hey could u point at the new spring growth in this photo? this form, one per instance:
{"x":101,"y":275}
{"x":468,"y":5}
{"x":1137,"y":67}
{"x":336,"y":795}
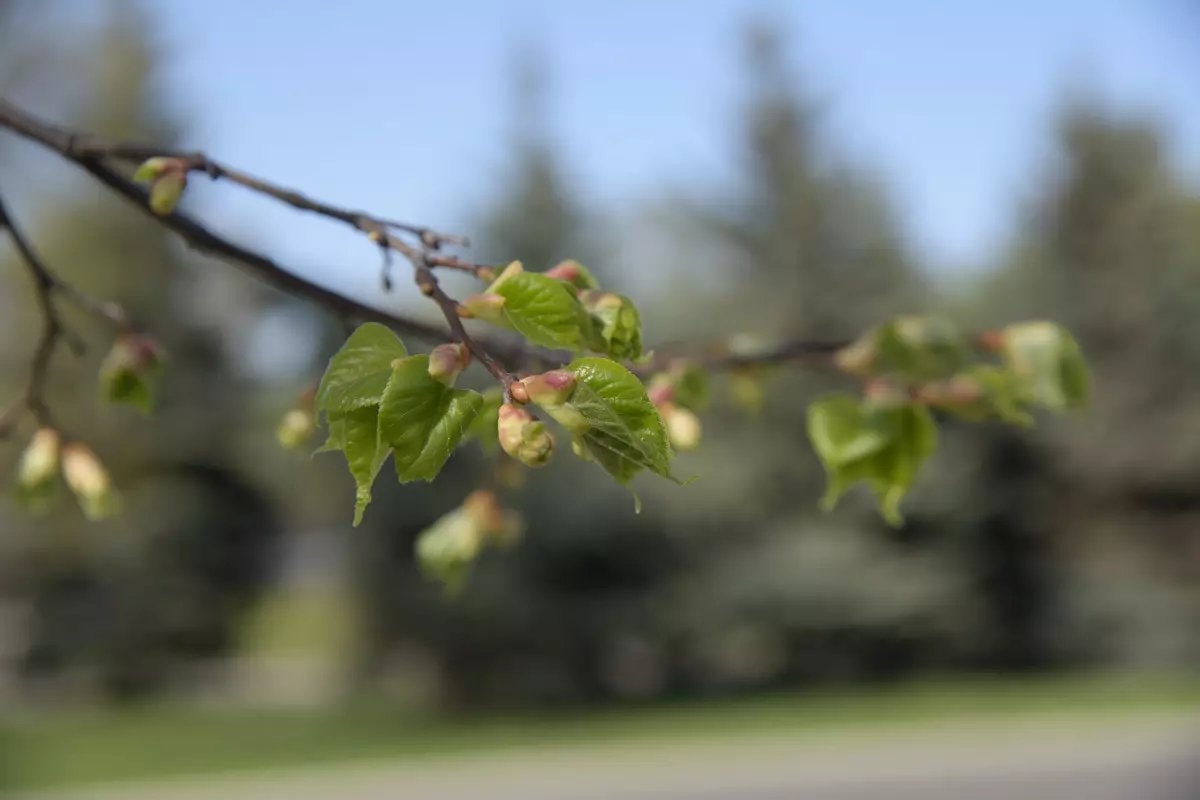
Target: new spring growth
{"x":446,"y":361}
{"x":486,"y":307}
{"x":573,"y":273}
{"x":683,"y":426}
{"x":167,"y":178}
{"x":127,"y":373}
{"x":296,"y":428}
{"x":491,"y":520}
{"x":37,"y":472}
{"x":523,"y":436}
{"x":550,"y":389}
{"x":89,"y":481}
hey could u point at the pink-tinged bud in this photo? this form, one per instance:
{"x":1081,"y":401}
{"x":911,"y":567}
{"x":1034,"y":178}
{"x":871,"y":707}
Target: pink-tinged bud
{"x":573,"y":273}
{"x":550,"y":388}
{"x":446,"y":361}
{"x":40,"y":461}
{"x":683,"y":427}
{"x":487,"y":307}
{"x":660,"y":393}
{"x":89,"y":481}
{"x":859,"y":358}
{"x":523,"y":436}
{"x":296,"y":428}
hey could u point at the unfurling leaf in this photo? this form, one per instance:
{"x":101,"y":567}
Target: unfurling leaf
{"x":446,"y":550}
{"x":37,"y":473}
{"x":550,"y":388}
{"x":979,"y":393}
{"x":1048,"y":365}
{"x":423,"y":420}
{"x":89,"y":481}
{"x":617,"y":324}
{"x":129,"y":370}
{"x":883,"y":445}
{"x":612,"y":421}
{"x":358,"y":373}
{"x":296,"y":428}
{"x":523,"y":436}
{"x":446,"y":361}
{"x":544,"y":310}
{"x":575,"y":274}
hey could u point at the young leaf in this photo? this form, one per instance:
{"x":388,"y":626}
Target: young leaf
{"x":358,"y":373}
{"x":616,"y":322}
{"x":128,"y":370}
{"x":356,"y":434}
{"x":544,"y":310}
{"x":575,"y":274}
{"x":997,"y":396}
{"x":883,"y":446}
{"x":423,"y":420}
{"x":613,"y":421}
{"x":1048,"y":364}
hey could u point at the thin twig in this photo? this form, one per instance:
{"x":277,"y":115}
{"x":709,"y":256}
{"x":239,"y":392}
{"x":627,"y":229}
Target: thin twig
{"x":46,"y":286}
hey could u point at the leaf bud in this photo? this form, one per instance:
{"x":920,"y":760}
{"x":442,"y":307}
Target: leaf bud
{"x":550,"y":388}
{"x":296,"y":428}
{"x":683,"y":426}
{"x":573,"y":273}
{"x":40,"y":462}
{"x":487,"y":307}
{"x":523,"y":436}
{"x":446,"y":361}
{"x":89,"y":481}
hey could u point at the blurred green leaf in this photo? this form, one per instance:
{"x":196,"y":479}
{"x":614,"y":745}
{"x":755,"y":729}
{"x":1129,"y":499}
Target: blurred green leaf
{"x":885,"y":447}
{"x":423,"y":420}
{"x":1048,"y":364}
{"x":358,"y":373}
{"x":912,"y":349}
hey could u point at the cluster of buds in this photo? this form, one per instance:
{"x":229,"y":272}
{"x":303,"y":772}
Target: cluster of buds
{"x":523,"y":436}
{"x":42,"y":461}
{"x":167,"y":178}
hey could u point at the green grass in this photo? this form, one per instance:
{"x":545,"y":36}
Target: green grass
{"x":74,"y":749}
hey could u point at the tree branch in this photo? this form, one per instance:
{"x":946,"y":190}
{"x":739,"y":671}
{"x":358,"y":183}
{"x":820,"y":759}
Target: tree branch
{"x":47,"y":286}
{"x":500,"y":358}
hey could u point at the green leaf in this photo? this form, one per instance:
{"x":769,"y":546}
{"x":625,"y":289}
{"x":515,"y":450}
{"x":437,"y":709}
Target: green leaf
{"x":483,"y":428}
{"x":129,"y":388}
{"x":613,"y":421}
{"x":691,"y":388}
{"x":884,"y":447}
{"x":1048,"y":365}
{"x":544,"y":310}
{"x":423,"y":420}
{"x":358,"y":373}
{"x":616,"y":323}
{"x":356,"y":434}
{"x":446,"y":549}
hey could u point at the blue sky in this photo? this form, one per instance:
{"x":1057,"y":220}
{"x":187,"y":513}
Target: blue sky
{"x":401,"y":107}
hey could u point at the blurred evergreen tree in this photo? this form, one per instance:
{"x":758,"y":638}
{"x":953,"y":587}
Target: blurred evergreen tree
{"x":124,"y":602}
